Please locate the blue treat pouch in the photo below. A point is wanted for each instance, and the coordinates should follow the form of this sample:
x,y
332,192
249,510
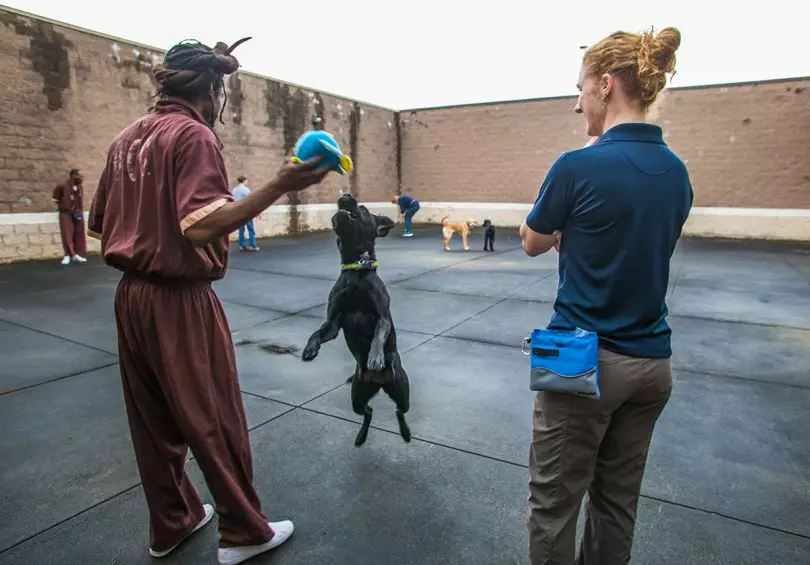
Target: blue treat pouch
x,y
563,361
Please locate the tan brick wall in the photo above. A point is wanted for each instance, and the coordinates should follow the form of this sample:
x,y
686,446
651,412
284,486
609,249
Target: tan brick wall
x,y
64,97
67,92
746,146
38,239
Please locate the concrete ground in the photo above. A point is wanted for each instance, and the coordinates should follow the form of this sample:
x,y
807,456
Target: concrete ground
x,y
728,477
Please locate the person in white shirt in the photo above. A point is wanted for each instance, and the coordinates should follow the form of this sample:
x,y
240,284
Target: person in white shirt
x,y
239,192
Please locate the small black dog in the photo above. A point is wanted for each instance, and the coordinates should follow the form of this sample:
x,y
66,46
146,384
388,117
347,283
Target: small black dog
x,y
359,304
489,235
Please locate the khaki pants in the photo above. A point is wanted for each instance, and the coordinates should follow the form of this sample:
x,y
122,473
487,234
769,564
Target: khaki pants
x,y
601,446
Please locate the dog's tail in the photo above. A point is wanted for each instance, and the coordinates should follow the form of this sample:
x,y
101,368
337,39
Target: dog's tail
x,y
444,219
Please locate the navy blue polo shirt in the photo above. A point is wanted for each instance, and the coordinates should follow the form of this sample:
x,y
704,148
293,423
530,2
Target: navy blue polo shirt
x,y
405,202
620,205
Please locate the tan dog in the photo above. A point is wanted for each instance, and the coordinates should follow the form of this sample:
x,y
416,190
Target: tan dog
x,y
462,228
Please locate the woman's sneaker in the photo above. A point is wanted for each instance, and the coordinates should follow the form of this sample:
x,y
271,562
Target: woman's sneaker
x,y
233,555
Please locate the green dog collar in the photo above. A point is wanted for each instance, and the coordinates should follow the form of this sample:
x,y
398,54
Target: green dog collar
x,y
359,266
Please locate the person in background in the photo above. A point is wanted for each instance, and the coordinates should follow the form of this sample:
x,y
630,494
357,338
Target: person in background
x,y
240,191
69,199
408,206
163,218
615,209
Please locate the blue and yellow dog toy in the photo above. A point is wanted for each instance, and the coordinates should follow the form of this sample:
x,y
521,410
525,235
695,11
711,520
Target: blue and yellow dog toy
x,y
320,143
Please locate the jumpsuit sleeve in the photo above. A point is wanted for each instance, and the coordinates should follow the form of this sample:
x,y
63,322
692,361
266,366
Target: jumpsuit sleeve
x,y
555,201
57,194
95,225
201,178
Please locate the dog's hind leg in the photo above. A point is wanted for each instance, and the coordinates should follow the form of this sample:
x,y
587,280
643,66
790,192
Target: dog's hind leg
x,y
400,392
362,392
362,435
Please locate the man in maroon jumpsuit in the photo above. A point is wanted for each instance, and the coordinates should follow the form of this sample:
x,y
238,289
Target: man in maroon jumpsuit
x,y
163,212
69,199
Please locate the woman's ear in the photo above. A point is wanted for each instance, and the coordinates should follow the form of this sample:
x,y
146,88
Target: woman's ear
x,y
606,85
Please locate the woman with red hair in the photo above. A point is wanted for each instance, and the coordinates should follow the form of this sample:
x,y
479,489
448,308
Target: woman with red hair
x,y
615,209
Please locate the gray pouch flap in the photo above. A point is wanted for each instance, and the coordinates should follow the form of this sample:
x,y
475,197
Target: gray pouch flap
x,y
585,384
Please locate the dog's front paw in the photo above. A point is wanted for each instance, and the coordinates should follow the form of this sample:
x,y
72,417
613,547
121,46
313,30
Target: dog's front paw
x,y
376,361
310,352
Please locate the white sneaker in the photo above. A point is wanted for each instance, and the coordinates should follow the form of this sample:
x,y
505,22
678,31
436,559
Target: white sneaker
x,y
209,513
66,260
79,259
233,555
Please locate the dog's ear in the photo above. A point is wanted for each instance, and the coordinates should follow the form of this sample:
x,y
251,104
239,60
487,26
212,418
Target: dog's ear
x,y
384,225
340,219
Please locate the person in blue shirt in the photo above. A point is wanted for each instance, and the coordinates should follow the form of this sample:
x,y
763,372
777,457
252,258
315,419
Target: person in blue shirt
x,y
240,191
614,209
408,206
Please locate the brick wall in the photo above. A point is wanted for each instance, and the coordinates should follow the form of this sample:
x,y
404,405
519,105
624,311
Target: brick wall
x,y
746,146
32,240
66,93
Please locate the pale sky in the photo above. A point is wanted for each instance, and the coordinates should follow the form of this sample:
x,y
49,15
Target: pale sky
x,y
417,53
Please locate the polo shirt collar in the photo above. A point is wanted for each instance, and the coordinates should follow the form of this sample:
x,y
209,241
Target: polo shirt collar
x,y
645,133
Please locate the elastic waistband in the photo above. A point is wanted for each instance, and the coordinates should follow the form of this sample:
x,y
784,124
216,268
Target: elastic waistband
x,y
159,280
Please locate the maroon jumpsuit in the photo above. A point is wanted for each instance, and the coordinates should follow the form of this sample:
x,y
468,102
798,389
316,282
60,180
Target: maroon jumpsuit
x,y
69,199
164,173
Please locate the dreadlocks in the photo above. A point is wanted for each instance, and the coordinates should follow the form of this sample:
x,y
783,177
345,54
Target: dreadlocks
x,y
191,68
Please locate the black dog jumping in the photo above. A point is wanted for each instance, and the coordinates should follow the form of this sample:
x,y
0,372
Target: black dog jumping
x,y
489,235
360,305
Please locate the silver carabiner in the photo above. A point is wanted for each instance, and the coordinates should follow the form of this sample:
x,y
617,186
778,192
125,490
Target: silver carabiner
x,y
527,341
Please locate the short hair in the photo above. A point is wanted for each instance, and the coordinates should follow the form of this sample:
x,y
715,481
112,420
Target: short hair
x,y
240,180
73,172
641,61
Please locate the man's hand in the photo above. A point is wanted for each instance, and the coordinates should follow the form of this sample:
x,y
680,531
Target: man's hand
x,y
558,242
293,177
